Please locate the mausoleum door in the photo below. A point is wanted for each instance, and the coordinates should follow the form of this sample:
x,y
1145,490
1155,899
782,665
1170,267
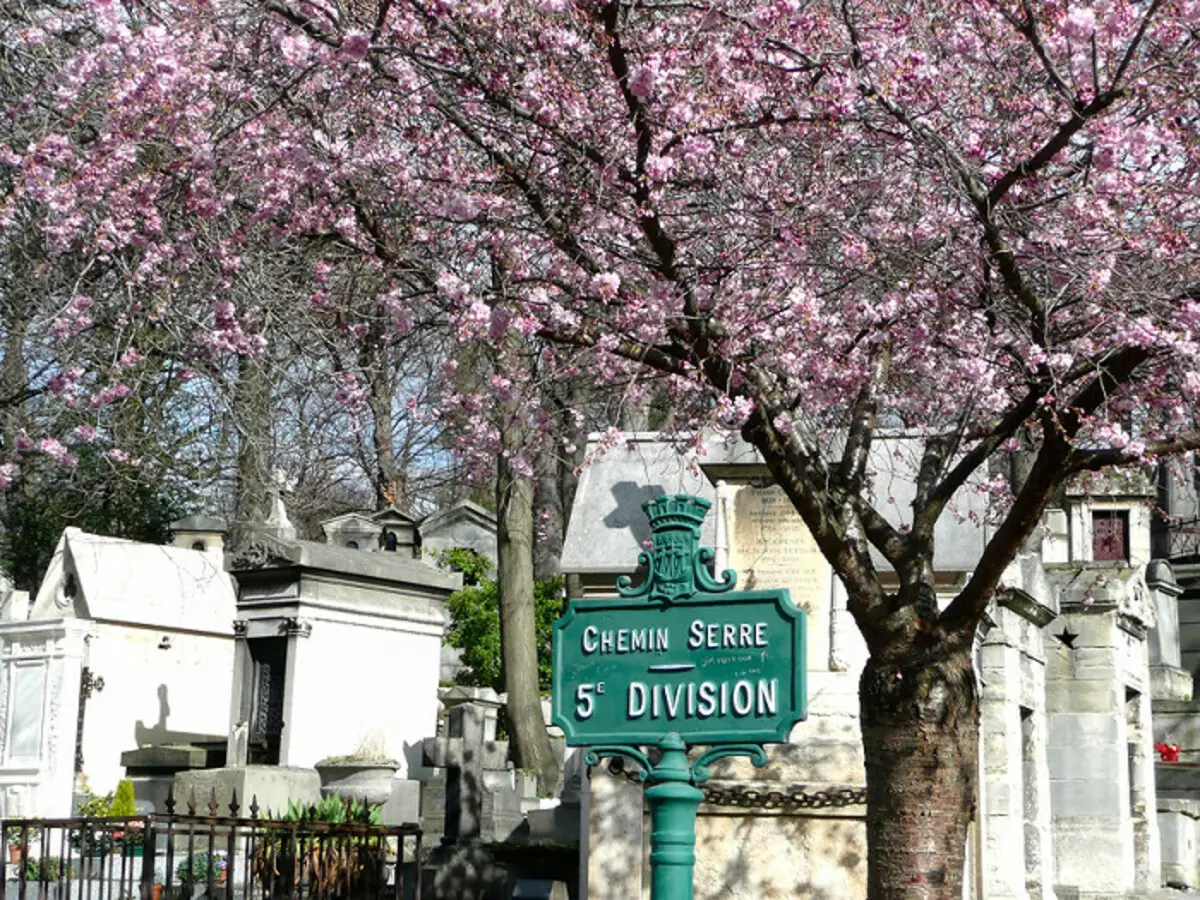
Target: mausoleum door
x,y
268,658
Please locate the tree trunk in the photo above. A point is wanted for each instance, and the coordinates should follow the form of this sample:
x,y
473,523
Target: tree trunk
x,y
252,419
518,639
920,727
380,402
13,376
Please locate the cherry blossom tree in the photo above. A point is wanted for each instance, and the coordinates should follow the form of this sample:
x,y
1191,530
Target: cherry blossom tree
x,y
801,220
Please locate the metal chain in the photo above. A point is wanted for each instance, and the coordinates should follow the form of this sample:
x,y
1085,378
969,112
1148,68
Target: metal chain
x,y
794,797
791,796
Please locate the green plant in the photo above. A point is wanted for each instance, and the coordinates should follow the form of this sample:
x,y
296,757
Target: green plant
x,y
336,869
17,836
115,804
334,810
201,868
475,620
123,803
45,869
137,504
94,806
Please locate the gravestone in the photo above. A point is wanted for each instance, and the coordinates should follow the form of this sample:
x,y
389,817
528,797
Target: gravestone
x,y
474,800
773,548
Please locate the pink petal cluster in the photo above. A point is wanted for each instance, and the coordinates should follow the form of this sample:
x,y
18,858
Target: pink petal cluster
x,y
771,210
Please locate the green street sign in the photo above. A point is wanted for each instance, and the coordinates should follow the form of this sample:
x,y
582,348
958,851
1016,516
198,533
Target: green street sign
x,y
680,652
711,667
675,661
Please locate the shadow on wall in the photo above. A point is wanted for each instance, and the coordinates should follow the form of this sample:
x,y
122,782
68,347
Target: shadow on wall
x,y
414,761
774,857
618,817
629,514
159,733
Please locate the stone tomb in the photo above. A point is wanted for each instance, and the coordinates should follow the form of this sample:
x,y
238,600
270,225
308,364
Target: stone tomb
x,y
336,648
123,647
465,524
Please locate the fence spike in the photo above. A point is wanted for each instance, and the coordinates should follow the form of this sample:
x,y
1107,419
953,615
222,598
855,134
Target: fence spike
x,y
212,803
170,804
191,803
233,804
254,806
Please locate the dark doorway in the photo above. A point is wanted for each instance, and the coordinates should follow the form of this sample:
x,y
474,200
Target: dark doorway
x,y
268,658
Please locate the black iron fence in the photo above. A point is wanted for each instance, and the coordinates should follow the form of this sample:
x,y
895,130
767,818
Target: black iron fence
x,y
191,855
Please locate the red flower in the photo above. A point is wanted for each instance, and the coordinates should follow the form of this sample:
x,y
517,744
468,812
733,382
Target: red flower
x,y
1168,752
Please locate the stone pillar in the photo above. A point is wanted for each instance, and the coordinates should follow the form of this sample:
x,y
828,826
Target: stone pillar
x,y
616,864
237,747
1039,846
1147,848
722,526
1170,683
1088,752
1002,772
1177,820
1018,855
40,680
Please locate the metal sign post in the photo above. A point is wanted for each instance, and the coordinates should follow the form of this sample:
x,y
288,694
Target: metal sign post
x,y
678,661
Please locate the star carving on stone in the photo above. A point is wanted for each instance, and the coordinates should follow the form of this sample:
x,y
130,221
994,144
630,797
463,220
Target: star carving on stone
x,y
1067,637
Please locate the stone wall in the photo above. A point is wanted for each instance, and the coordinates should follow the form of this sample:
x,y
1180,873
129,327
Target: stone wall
x,y
1099,749
1015,786
825,847
159,688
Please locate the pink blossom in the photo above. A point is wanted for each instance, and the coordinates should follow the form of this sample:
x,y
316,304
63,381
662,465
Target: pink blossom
x,y
644,81
295,48
8,474
477,320
659,167
129,358
356,45
110,394
605,285
1080,23
352,392
451,287
57,452
84,433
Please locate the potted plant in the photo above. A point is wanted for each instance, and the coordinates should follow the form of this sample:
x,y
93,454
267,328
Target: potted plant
x,y
45,869
364,775
334,869
104,837
201,868
18,841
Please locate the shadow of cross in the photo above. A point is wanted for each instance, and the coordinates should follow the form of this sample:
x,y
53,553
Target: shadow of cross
x,y
480,801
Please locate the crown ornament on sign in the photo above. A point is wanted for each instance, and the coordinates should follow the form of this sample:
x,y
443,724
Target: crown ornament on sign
x,y
676,565
671,511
